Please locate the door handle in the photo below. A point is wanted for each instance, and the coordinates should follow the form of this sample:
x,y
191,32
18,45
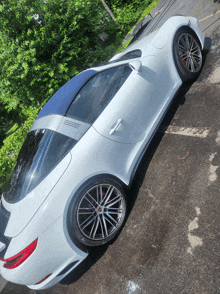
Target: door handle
x,y
115,128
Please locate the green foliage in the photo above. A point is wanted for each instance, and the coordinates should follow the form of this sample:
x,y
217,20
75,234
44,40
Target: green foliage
x,y
127,12
12,145
149,8
44,44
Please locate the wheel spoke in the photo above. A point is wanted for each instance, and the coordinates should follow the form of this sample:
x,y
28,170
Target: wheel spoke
x,y
105,226
114,199
194,49
197,61
94,222
86,210
88,221
195,55
116,211
110,222
112,213
97,193
184,56
191,43
184,43
101,225
91,198
108,195
187,62
196,64
96,228
120,210
181,48
89,201
113,203
198,57
187,42
111,217
100,191
192,65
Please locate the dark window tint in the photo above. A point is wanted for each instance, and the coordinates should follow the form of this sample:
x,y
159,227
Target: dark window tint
x,y
41,152
130,55
97,93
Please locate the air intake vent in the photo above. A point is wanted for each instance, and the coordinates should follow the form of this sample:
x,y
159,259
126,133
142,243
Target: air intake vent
x,y
72,124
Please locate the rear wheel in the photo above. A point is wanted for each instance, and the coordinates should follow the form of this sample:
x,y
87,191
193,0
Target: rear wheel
x,y
187,54
98,212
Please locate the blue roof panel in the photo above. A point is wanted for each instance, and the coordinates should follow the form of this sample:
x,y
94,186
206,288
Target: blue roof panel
x,y
60,101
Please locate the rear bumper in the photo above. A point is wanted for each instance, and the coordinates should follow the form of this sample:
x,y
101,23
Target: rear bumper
x,y
54,256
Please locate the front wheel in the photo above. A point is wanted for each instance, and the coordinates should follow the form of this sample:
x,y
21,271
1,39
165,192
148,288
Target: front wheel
x,y
187,54
98,212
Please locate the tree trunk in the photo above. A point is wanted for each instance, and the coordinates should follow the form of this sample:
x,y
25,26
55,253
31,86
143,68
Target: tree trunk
x,y
108,10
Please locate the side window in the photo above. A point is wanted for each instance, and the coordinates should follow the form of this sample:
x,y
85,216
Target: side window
x,y
130,55
97,93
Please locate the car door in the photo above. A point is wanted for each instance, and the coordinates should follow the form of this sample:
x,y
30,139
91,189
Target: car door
x,y
138,105
97,93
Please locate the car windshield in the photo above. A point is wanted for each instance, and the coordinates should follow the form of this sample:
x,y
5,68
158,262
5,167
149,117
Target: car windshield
x,y
41,152
97,93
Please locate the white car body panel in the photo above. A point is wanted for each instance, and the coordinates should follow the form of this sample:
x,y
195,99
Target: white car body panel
x,y
23,211
45,250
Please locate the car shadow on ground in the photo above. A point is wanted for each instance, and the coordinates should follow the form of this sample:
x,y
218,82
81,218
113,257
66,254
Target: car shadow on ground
x,y
96,253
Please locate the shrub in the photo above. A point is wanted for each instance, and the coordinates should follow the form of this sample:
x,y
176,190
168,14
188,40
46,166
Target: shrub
x,y
12,145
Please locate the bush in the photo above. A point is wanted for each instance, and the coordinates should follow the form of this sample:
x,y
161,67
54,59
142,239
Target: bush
x,y
127,13
12,145
44,44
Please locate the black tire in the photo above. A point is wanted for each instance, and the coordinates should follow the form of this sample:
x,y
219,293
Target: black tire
x,y
187,54
103,202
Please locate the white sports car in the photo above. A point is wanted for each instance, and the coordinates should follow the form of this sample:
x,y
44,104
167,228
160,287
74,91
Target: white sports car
x,y
67,191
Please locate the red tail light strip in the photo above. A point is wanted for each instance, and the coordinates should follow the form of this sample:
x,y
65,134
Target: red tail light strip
x,y
41,281
19,258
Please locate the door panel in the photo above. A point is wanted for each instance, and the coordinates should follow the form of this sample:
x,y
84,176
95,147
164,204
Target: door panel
x,y
134,110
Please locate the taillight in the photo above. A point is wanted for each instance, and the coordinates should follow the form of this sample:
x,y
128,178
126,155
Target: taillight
x,y
19,258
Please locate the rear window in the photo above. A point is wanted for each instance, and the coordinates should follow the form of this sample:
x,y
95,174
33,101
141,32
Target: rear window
x,y
41,152
97,93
